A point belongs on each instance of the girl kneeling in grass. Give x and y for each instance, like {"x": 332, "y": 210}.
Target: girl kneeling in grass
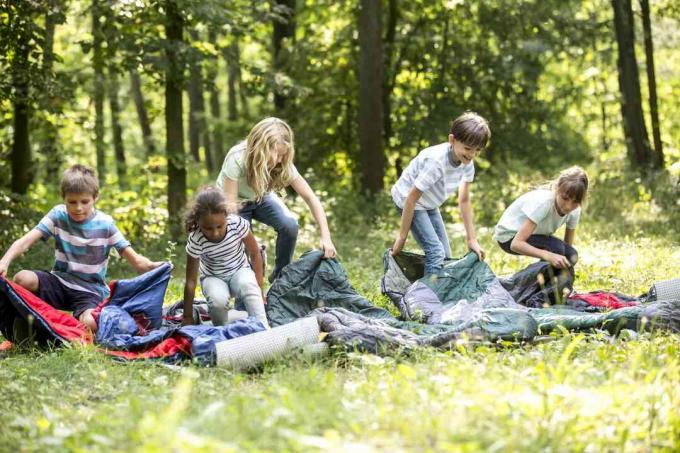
{"x": 528, "y": 224}
{"x": 226, "y": 252}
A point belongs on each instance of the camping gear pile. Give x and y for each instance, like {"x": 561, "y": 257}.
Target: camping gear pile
{"x": 312, "y": 305}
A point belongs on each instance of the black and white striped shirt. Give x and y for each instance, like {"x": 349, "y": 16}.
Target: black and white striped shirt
{"x": 224, "y": 258}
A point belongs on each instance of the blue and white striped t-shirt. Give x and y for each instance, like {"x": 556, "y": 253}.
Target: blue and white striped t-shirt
{"x": 223, "y": 258}
{"x": 434, "y": 173}
{"x": 82, "y": 248}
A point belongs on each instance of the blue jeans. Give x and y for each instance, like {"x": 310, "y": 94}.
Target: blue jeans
{"x": 429, "y": 232}
{"x": 271, "y": 211}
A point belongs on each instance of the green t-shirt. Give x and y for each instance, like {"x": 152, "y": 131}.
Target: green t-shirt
{"x": 234, "y": 168}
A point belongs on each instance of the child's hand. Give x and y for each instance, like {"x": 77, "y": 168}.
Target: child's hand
{"x": 148, "y": 265}
{"x": 328, "y": 248}
{"x": 558, "y": 261}
{"x": 477, "y": 249}
{"x": 398, "y": 245}
{"x": 4, "y": 267}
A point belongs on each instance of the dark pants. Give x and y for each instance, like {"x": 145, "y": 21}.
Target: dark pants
{"x": 271, "y": 211}
{"x": 549, "y": 243}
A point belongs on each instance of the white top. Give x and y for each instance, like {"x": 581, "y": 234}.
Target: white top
{"x": 234, "y": 169}
{"x": 539, "y": 207}
{"x": 224, "y": 258}
{"x": 433, "y": 172}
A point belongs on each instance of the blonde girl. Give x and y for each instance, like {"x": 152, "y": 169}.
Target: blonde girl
{"x": 254, "y": 170}
{"x": 528, "y": 224}
{"x": 225, "y": 251}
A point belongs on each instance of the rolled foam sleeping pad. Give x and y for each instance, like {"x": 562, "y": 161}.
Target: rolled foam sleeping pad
{"x": 254, "y": 349}
{"x": 666, "y": 289}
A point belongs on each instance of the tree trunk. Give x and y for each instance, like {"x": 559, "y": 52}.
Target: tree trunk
{"x": 372, "y": 156}
{"x": 196, "y": 106}
{"x": 142, "y": 113}
{"x": 388, "y": 82}
{"x": 284, "y": 28}
{"x": 116, "y": 129}
{"x": 174, "y": 134}
{"x": 216, "y": 151}
{"x": 231, "y": 56}
{"x": 99, "y": 90}
{"x": 242, "y": 89}
{"x": 635, "y": 131}
{"x": 651, "y": 82}
{"x": 48, "y": 148}
{"x": 21, "y": 149}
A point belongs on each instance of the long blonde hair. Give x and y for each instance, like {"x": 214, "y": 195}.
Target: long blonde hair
{"x": 263, "y": 137}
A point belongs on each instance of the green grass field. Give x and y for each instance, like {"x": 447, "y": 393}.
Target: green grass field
{"x": 577, "y": 392}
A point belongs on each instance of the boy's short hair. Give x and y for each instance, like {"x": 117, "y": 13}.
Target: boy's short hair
{"x": 471, "y": 129}
{"x": 79, "y": 179}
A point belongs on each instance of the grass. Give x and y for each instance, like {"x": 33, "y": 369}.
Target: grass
{"x": 578, "y": 392}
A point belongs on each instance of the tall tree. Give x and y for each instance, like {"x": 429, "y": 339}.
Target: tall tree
{"x": 231, "y": 56}
{"x": 651, "y": 82}
{"x": 142, "y": 113}
{"x": 634, "y": 128}
{"x": 284, "y": 29}
{"x": 389, "y": 69}
{"x": 211, "y": 76}
{"x": 174, "y": 133}
{"x": 196, "y": 109}
{"x": 54, "y": 15}
{"x": 21, "y": 150}
{"x": 372, "y": 157}
{"x": 99, "y": 87}
{"x": 116, "y": 129}
{"x": 111, "y": 33}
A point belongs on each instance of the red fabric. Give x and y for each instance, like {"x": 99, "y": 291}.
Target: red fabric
{"x": 603, "y": 299}
{"x": 62, "y": 324}
{"x": 70, "y": 329}
{"x": 166, "y": 348}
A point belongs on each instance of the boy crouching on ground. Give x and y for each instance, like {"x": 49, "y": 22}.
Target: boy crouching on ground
{"x": 83, "y": 238}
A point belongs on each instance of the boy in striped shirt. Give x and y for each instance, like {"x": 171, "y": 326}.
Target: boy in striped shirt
{"x": 429, "y": 180}
{"x": 83, "y": 237}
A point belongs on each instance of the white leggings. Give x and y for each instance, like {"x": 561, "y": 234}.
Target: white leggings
{"x": 243, "y": 286}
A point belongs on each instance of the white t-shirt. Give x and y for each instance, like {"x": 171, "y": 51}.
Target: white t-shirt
{"x": 224, "y": 258}
{"x": 234, "y": 169}
{"x": 434, "y": 173}
{"x": 539, "y": 207}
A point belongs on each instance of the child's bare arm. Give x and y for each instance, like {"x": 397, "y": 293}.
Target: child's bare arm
{"x": 230, "y": 189}
{"x": 465, "y": 206}
{"x": 302, "y": 188}
{"x": 406, "y": 219}
{"x": 569, "y": 236}
{"x": 18, "y": 248}
{"x": 139, "y": 262}
{"x": 190, "y": 290}
{"x": 253, "y": 251}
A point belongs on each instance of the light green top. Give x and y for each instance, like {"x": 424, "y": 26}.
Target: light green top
{"x": 539, "y": 207}
{"x": 234, "y": 168}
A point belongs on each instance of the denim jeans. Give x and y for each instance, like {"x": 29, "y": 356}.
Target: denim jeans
{"x": 546, "y": 242}
{"x": 430, "y": 233}
{"x": 271, "y": 211}
{"x": 243, "y": 286}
